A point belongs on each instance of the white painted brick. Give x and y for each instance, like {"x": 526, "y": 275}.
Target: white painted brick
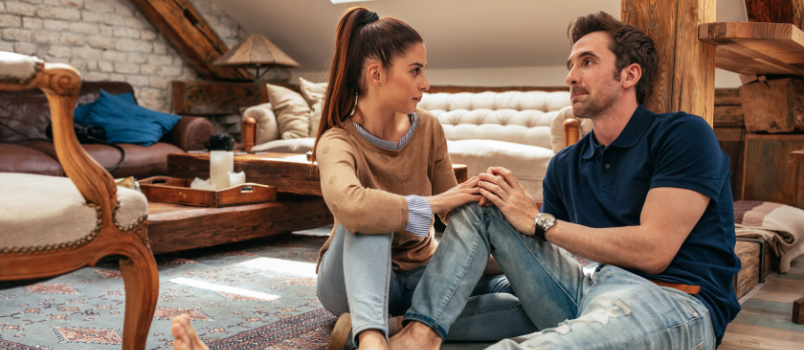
{"x": 120, "y": 77}
{"x": 105, "y": 66}
{"x": 32, "y": 1}
{"x": 137, "y": 80}
{"x": 32, "y": 23}
{"x": 59, "y": 13}
{"x": 18, "y": 8}
{"x": 160, "y": 60}
{"x": 99, "y": 6}
{"x": 101, "y": 42}
{"x": 72, "y": 39}
{"x": 124, "y": 32}
{"x": 58, "y": 51}
{"x": 47, "y": 36}
{"x": 147, "y": 34}
{"x": 54, "y": 24}
{"x": 136, "y": 22}
{"x": 147, "y": 69}
{"x": 160, "y": 48}
{"x": 96, "y": 17}
{"x": 86, "y": 53}
{"x": 10, "y": 21}
{"x": 169, "y": 71}
{"x": 15, "y": 34}
{"x": 133, "y": 45}
{"x": 84, "y": 27}
{"x": 160, "y": 82}
{"x": 231, "y": 119}
{"x": 73, "y": 3}
{"x": 133, "y": 57}
{"x": 106, "y": 30}
{"x": 125, "y": 8}
{"x": 96, "y": 76}
{"x": 92, "y": 65}
{"x": 126, "y": 68}
{"x": 80, "y": 65}
{"x": 2, "y": 7}
{"x": 114, "y": 56}
{"x": 25, "y": 48}
{"x": 6, "y": 46}
{"x": 52, "y": 2}
{"x": 113, "y": 19}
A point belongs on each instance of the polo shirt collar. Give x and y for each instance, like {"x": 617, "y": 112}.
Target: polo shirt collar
{"x": 639, "y": 123}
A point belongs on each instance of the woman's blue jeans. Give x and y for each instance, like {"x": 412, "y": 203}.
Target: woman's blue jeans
{"x": 355, "y": 276}
{"x": 613, "y": 309}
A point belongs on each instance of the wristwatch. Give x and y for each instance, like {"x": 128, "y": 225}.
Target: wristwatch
{"x": 543, "y": 222}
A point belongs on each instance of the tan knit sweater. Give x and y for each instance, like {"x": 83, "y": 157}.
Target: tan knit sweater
{"x": 364, "y": 185}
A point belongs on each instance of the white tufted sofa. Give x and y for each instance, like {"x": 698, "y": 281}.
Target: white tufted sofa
{"x": 511, "y": 129}
{"x": 518, "y": 130}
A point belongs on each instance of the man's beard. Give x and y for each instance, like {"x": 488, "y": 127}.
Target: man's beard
{"x": 593, "y": 107}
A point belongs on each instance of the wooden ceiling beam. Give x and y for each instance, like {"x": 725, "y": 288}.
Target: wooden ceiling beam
{"x": 775, "y": 11}
{"x": 181, "y": 24}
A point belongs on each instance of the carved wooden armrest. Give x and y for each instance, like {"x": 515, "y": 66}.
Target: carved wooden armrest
{"x": 571, "y": 131}
{"x": 249, "y": 133}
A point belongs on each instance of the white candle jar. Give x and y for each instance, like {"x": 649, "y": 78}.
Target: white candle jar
{"x": 221, "y": 163}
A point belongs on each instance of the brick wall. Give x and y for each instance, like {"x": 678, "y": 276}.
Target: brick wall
{"x": 107, "y": 40}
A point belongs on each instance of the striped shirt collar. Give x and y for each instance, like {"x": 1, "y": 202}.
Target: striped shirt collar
{"x": 376, "y": 141}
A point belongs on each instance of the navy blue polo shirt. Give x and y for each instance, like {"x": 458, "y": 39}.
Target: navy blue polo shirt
{"x": 598, "y": 186}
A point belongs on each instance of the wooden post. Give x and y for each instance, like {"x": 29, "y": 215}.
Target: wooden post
{"x": 686, "y": 77}
{"x": 775, "y": 11}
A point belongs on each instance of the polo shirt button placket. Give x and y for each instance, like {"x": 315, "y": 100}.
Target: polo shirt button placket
{"x": 607, "y": 166}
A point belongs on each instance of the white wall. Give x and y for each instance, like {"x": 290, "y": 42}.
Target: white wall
{"x": 510, "y": 76}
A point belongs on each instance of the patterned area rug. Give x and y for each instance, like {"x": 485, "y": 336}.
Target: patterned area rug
{"x": 251, "y": 295}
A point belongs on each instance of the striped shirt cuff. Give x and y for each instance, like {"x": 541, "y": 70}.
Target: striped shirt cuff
{"x": 419, "y": 216}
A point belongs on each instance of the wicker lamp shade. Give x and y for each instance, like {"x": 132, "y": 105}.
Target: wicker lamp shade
{"x": 256, "y": 51}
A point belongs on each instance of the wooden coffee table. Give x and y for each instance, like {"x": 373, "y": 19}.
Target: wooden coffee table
{"x": 299, "y": 205}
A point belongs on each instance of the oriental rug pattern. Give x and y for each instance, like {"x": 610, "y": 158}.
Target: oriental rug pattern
{"x": 252, "y": 295}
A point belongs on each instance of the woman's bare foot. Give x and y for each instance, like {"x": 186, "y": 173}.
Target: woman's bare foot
{"x": 415, "y": 336}
{"x": 183, "y": 331}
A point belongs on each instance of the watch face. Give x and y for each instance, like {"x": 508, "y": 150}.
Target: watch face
{"x": 545, "y": 221}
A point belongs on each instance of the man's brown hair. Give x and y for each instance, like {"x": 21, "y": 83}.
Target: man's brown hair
{"x": 628, "y": 43}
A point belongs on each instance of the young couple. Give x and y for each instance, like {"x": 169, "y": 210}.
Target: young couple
{"x": 646, "y": 195}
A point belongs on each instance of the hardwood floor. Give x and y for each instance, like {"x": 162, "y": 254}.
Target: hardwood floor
{"x": 765, "y": 320}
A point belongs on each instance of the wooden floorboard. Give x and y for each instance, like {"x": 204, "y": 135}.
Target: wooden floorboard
{"x": 765, "y": 319}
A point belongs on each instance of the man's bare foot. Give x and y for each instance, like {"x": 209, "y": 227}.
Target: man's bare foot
{"x": 183, "y": 331}
{"x": 415, "y": 336}
{"x": 372, "y": 339}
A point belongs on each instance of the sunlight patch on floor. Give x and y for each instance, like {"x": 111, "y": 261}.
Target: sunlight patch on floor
{"x": 225, "y": 289}
{"x": 287, "y": 267}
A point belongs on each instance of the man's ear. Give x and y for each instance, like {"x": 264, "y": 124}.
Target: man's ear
{"x": 630, "y": 75}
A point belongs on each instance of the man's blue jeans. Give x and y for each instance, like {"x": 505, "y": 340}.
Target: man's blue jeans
{"x": 613, "y": 309}
{"x": 355, "y": 276}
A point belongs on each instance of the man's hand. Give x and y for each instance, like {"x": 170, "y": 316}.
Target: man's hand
{"x": 454, "y": 197}
{"x": 500, "y": 187}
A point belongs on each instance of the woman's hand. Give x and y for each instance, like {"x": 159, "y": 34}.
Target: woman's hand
{"x": 454, "y": 197}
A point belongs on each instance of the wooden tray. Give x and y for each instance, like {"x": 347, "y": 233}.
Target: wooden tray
{"x": 176, "y": 190}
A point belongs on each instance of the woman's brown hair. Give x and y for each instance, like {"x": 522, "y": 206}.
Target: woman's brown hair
{"x": 360, "y": 35}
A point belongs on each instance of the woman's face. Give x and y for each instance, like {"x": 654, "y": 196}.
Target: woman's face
{"x": 406, "y": 81}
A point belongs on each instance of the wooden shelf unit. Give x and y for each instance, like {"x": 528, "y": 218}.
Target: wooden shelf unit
{"x": 756, "y": 48}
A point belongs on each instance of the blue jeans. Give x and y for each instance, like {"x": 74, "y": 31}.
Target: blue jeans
{"x": 613, "y": 309}
{"x": 355, "y": 276}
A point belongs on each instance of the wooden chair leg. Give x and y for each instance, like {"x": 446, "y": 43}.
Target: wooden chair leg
{"x": 141, "y": 279}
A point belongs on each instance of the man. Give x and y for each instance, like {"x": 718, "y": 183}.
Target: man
{"x": 646, "y": 195}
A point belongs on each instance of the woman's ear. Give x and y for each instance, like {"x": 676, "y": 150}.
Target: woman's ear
{"x": 374, "y": 73}
{"x": 630, "y": 75}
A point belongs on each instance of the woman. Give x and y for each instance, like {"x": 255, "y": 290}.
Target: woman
{"x": 384, "y": 171}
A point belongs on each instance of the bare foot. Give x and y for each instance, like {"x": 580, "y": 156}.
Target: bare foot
{"x": 372, "y": 339}
{"x": 183, "y": 331}
{"x": 415, "y": 336}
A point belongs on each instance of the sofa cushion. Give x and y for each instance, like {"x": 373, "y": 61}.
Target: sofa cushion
{"x": 557, "y": 128}
{"x": 292, "y": 112}
{"x": 126, "y": 122}
{"x": 141, "y": 161}
{"x": 300, "y": 145}
{"x": 18, "y": 158}
{"x": 528, "y": 163}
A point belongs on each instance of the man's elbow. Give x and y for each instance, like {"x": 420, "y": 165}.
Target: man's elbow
{"x": 656, "y": 264}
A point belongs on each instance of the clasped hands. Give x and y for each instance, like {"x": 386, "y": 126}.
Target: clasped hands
{"x": 497, "y": 186}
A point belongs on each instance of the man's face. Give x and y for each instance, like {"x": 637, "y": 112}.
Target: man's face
{"x": 591, "y": 76}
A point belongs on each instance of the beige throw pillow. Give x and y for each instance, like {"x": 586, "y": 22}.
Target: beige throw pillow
{"x": 292, "y": 112}
{"x": 314, "y": 94}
